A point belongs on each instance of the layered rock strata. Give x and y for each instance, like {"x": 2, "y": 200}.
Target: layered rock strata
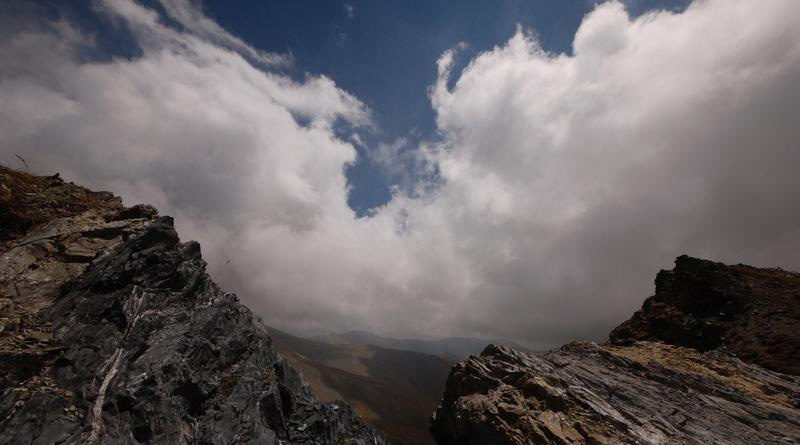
{"x": 708, "y": 360}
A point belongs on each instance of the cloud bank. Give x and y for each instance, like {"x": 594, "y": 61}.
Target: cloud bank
{"x": 556, "y": 188}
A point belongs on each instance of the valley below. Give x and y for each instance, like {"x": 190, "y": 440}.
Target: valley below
{"x": 394, "y": 390}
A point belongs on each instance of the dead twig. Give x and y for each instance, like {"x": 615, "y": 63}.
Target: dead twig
{"x": 23, "y": 161}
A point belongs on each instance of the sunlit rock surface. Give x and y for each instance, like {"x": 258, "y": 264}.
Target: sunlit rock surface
{"x": 672, "y": 375}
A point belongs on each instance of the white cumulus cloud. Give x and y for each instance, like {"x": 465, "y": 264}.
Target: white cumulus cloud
{"x": 557, "y": 187}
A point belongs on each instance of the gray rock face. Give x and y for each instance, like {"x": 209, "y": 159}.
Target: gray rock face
{"x": 133, "y": 343}
{"x": 647, "y": 393}
{"x": 33, "y": 271}
{"x": 674, "y": 375}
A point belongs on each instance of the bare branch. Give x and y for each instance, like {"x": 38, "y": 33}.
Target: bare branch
{"x": 23, "y": 161}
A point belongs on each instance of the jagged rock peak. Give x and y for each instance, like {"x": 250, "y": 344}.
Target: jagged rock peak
{"x": 672, "y": 375}
{"x": 112, "y": 332}
{"x": 704, "y": 305}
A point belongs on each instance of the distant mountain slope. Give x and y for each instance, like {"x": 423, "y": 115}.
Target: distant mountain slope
{"x": 456, "y": 348}
{"x": 395, "y": 390}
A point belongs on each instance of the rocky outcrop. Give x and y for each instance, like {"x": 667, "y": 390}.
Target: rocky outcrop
{"x": 112, "y": 332}
{"x": 27, "y": 201}
{"x": 672, "y": 375}
{"x": 704, "y": 305}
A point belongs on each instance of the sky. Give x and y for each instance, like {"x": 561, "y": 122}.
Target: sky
{"x": 515, "y": 169}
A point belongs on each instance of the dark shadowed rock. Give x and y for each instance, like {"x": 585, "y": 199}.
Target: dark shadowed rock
{"x": 689, "y": 368}
{"x": 754, "y": 313}
{"x": 138, "y": 211}
{"x": 112, "y": 332}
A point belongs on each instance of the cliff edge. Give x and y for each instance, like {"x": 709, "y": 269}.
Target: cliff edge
{"x": 711, "y": 358}
{"x": 704, "y": 305}
{"x": 112, "y": 332}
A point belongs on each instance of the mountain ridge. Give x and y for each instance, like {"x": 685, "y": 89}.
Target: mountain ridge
{"x": 446, "y": 347}
{"x": 111, "y": 331}
{"x": 699, "y": 363}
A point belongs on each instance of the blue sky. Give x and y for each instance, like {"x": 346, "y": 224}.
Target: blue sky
{"x": 546, "y": 174}
{"x": 384, "y": 52}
